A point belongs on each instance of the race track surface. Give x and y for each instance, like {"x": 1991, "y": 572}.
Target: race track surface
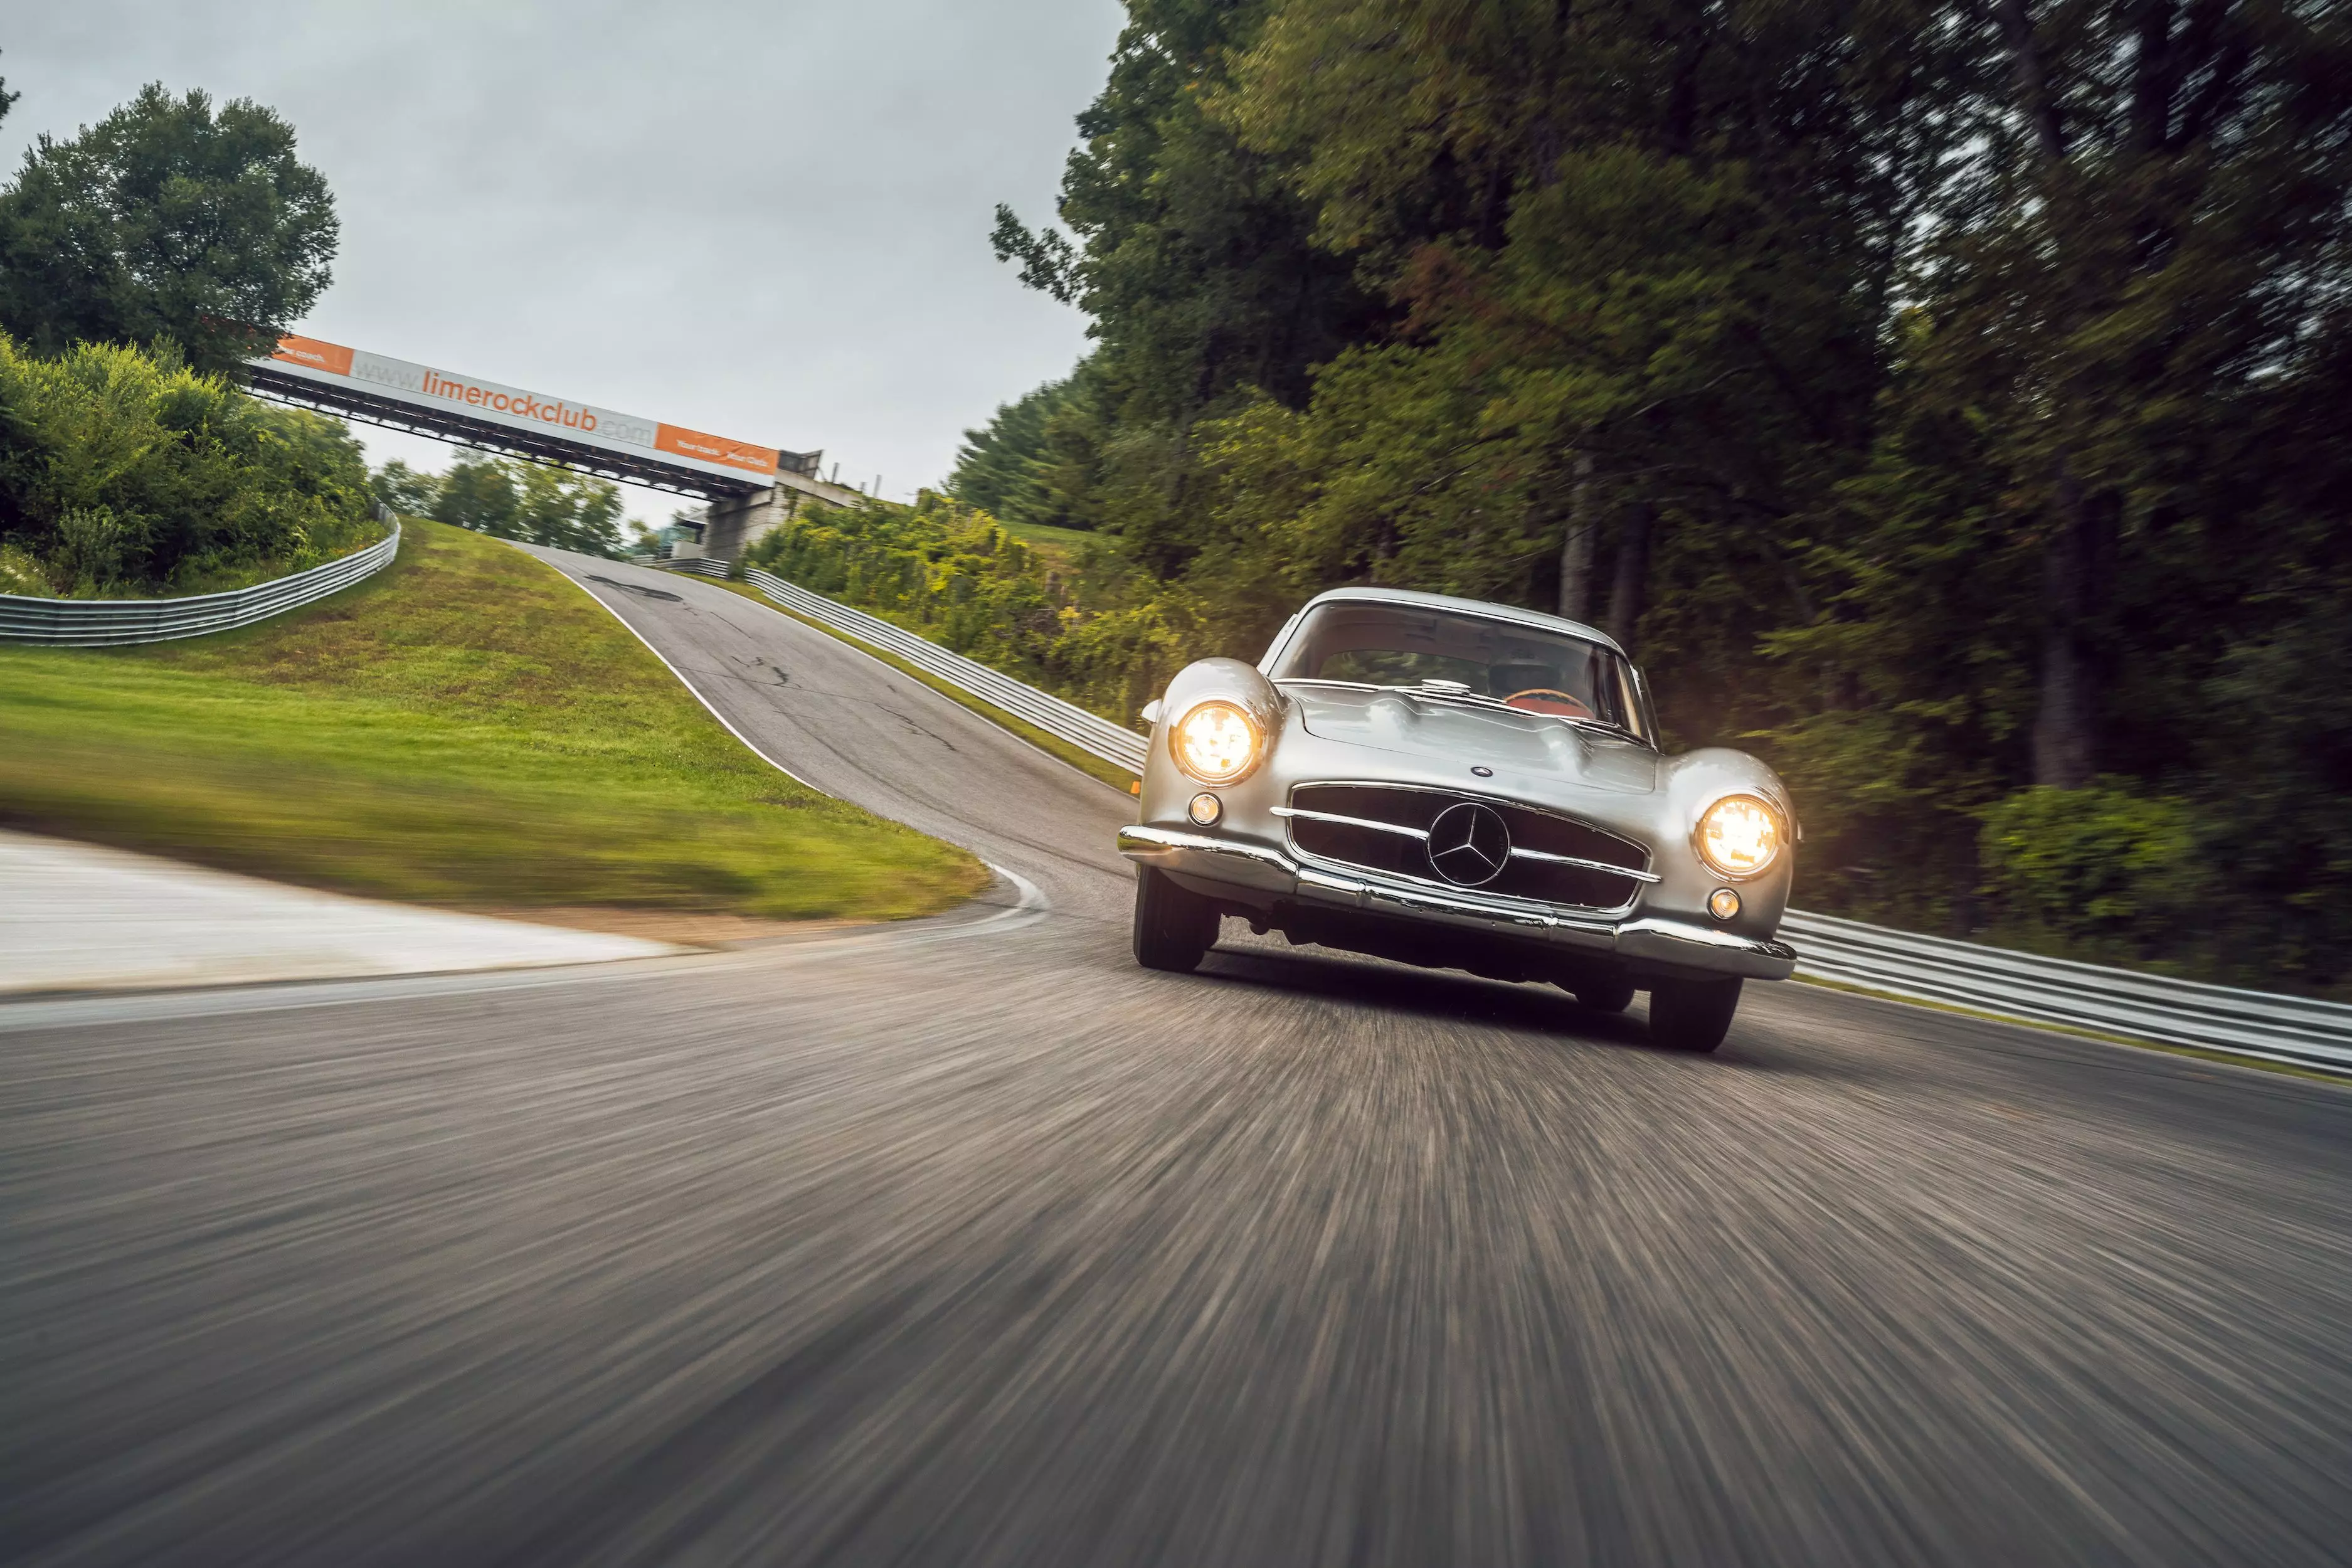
{"x": 971, "y": 1242}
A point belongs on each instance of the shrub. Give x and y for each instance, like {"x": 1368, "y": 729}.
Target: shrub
{"x": 123, "y": 471}
{"x": 2104, "y": 864}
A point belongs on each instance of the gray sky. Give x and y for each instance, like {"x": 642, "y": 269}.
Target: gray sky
{"x": 769, "y": 222}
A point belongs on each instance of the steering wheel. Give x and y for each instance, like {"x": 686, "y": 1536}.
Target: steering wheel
{"x": 1548, "y": 700}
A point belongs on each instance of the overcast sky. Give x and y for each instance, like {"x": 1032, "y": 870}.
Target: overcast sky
{"x": 764, "y": 221}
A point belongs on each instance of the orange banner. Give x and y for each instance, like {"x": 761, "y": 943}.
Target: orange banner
{"x": 332, "y": 358}
{"x": 716, "y": 449}
{"x": 425, "y": 384}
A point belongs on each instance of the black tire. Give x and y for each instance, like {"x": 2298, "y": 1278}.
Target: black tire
{"x": 1605, "y": 996}
{"x": 1173, "y": 928}
{"x": 1692, "y": 1015}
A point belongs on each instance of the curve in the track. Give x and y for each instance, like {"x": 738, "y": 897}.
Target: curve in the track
{"x": 1000, "y": 1251}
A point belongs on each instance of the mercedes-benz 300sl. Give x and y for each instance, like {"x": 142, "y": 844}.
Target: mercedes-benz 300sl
{"x": 1455, "y": 784}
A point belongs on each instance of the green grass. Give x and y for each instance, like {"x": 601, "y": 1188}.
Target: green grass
{"x": 466, "y": 729}
{"x": 1059, "y": 545}
{"x": 1085, "y": 762}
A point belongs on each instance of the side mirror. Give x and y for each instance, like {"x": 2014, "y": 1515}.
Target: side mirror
{"x": 1151, "y": 711}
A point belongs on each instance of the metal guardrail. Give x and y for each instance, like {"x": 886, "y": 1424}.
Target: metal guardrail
{"x": 2081, "y": 995}
{"x": 105, "y": 622}
{"x": 2105, "y": 1001}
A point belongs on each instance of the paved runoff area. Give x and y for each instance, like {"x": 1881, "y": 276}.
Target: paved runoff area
{"x": 74, "y": 916}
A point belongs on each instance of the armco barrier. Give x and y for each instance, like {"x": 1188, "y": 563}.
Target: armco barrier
{"x": 2085, "y": 995}
{"x": 1897, "y": 963}
{"x": 100, "y": 623}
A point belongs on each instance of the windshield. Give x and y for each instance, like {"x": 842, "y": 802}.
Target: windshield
{"x": 1536, "y": 672}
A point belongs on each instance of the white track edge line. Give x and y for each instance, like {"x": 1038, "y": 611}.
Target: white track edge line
{"x": 682, "y": 680}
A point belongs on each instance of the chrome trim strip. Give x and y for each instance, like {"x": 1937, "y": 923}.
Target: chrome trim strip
{"x": 1400, "y": 829}
{"x": 1141, "y": 840}
{"x": 1700, "y": 936}
{"x": 1406, "y": 898}
{"x": 1519, "y": 854}
{"x": 1647, "y": 855}
{"x": 1353, "y": 891}
{"x": 1504, "y": 906}
{"x": 1508, "y": 906}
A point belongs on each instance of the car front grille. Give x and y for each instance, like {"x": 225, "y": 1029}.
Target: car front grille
{"x": 1386, "y": 828}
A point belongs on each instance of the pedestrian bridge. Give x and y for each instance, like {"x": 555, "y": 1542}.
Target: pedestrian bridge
{"x": 751, "y": 488}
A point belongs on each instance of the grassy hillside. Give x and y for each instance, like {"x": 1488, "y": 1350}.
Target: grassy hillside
{"x": 465, "y": 729}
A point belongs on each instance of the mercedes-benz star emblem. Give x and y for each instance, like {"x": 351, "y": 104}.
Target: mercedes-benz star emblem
{"x": 1468, "y": 844}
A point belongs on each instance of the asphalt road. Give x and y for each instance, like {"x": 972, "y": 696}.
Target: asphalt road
{"x": 971, "y": 1242}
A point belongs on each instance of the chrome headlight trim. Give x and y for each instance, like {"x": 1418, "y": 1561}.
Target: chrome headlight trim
{"x": 1239, "y": 711}
{"x": 1772, "y": 814}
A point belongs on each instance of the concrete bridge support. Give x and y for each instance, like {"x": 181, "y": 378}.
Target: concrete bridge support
{"x": 737, "y": 520}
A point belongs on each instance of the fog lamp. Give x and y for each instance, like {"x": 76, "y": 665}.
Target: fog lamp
{"x": 1739, "y": 835}
{"x": 1722, "y": 903}
{"x": 1205, "y": 809}
{"x": 1216, "y": 742}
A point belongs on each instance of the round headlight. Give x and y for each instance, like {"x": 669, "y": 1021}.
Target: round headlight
{"x": 1216, "y": 742}
{"x": 1739, "y": 835}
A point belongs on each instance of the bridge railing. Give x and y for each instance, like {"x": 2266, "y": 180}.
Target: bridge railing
{"x": 2106, "y": 1001}
{"x": 102, "y": 623}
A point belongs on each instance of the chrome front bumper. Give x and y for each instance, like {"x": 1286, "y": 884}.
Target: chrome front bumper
{"x": 1258, "y": 874}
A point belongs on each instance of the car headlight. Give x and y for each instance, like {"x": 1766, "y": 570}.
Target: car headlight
{"x": 1216, "y": 742}
{"x": 1739, "y": 835}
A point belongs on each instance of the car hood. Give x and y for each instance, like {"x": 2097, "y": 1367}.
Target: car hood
{"x": 1529, "y": 744}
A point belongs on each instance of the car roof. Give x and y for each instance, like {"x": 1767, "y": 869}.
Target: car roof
{"x": 1494, "y": 612}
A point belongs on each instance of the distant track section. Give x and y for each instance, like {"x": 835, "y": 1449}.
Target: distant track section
{"x": 1090, "y": 733}
{"x": 2251, "y": 1024}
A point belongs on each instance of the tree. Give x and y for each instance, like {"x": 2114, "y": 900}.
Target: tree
{"x": 1009, "y": 466}
{"x": 166, "y": 221}
{"x": 1195, "y": 258}
{"x": 2150, "y": 240}
{"x": 531, "y": 502}
{"x": 406, "y": 490}
{"x": 122, "y": 470}
{"x": 1948, "y": 399}
{"x": 2098, "y": 561}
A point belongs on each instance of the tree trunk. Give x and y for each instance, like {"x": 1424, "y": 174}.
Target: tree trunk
{"x": 1576, "y": 547}
{"x": 2073, "y": 573}
{"x": 1625, "y": 598}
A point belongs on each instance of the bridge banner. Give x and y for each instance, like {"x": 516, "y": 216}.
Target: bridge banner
{"x": 427, "y": 386}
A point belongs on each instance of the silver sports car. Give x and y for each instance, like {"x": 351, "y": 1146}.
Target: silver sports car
{"x": 1464, "y": 785}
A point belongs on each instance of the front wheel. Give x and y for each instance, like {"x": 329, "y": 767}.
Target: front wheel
{"x": 1692, "y": 1015}
{"x": 1174, "y": 929}
{"x": 1605, "y": 996}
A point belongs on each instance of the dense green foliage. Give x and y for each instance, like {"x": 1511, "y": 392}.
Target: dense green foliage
{"x": 123, "y": 471}
{"x": 464, "y": 728}
{"x": 165, "y": 221}
{"x": 1013, "y": 470}
{"x": 1089, "y": 625}
{"x": 1947, "y": 401}
{"x": 510, "y": 499}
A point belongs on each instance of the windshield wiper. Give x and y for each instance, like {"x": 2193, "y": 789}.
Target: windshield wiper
{"x": 1447, "y": 692}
